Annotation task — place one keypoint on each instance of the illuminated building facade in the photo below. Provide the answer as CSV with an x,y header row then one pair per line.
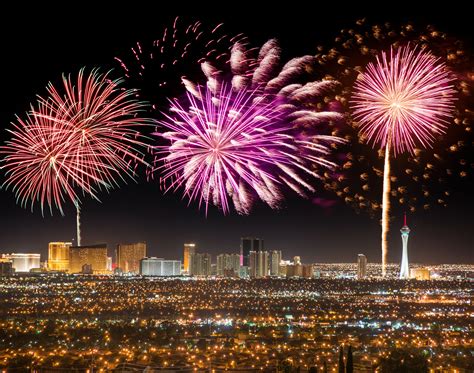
x,y
228,265
160,267
6,268
294,270
361,266
275,260
404,268
23,262
308,270
422,274
248,244
200,264
129,256
110,264
259,264
92,255
58,256
189,248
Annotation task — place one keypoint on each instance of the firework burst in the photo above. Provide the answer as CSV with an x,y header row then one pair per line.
x,y
421,178
404,99
156,66
74,143
240,136
399,101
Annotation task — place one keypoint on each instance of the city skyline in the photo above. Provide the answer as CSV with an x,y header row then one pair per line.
x,y
237,193
172,247
141,212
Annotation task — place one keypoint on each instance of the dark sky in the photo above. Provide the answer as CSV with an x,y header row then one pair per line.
x,y
47,47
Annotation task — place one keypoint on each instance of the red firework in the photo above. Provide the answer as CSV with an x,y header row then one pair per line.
x,y
75,142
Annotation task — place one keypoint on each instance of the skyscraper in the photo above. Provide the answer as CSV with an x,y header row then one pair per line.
x,y
58,256
200,264
259,264
308,270
253,264
228,265
404,268
189,248
275,259
6,268
248,244
129,256
263,263
91,255
294,270
361,266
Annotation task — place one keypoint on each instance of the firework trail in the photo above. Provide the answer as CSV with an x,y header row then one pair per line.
x,y
402,99
239,137
77,141
156,66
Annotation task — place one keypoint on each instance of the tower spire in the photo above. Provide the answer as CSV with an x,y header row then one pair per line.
x,y
405,231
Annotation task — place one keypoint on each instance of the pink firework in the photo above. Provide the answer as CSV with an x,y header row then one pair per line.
x,y
73,143
238,138
406,97
400,101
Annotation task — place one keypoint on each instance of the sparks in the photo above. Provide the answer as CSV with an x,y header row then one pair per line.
x,y
236,139
407,98
156,66
402,100
74,142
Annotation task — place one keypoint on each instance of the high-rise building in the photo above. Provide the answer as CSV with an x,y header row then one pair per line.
x,y
275,260
189,248
422,274
200,264
228,265
308,271
129,256
23,262
213,269
263,263
58,256
248,244
294,270
259,264
110,264
92,255
160,267
283,268
404,268
6,268
361,266
253,264
221,262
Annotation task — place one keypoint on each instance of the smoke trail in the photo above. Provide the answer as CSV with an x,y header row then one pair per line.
x,y
78,223
386,203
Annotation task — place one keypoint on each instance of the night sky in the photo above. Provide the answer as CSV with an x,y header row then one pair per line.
x,y
140,212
